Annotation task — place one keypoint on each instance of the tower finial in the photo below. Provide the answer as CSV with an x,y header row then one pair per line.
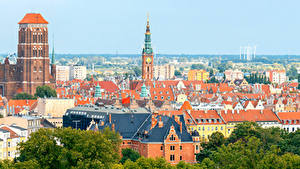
x,y
148,25
148,18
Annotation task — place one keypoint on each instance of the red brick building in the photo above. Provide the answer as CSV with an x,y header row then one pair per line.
x,y
33,64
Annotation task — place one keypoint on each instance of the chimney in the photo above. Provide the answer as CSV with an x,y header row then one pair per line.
x,y
153,121
109,118
160,123
113,127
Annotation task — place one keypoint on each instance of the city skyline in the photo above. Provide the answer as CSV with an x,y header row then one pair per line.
x,y
119,26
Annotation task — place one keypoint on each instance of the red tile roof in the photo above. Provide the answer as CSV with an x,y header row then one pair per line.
x,y
33,18
289,115
249,115
186,106
12,133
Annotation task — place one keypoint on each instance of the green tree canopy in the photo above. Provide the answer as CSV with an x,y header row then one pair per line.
x,y
45,91
197,66
67,148
24,96
129,153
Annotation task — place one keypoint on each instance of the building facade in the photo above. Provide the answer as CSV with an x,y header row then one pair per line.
x,y
233,75
62,73
33,64
198,75
164,72
276,76
77,72
150,134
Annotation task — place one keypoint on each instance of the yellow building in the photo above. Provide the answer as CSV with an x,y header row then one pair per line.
x,y
200,75
10,137
205,123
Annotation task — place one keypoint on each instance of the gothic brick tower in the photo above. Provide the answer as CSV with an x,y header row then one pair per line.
x,y
33,64
147,56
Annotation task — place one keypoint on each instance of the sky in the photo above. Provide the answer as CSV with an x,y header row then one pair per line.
x,y
177,26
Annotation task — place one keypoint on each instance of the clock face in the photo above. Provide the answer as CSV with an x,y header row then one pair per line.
x,y
148,60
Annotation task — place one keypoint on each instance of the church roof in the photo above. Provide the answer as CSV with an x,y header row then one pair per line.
x,y
33,18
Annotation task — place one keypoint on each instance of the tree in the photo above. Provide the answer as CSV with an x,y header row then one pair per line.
x,y
128,153
137,71
216,139
177,73
24,96
67,148
197,66
292,73
45,91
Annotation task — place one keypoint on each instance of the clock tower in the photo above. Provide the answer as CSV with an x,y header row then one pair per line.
x,y
147,56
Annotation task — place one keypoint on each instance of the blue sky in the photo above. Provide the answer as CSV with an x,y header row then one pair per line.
x,y
177,26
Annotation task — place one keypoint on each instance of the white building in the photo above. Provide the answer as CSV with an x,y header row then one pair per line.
x,y
77,72
62,73
290,120
164,72
233,75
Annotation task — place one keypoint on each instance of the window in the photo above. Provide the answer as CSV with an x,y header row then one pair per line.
x,y
9,154
8,144
162,97
172,157
197,147
203,128
180,157
207,128
228,131
161,147
155,97
221,128
172,138
172,147
180,147
216,128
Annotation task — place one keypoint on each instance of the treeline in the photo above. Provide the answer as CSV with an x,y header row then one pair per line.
x,y
257,78
249,146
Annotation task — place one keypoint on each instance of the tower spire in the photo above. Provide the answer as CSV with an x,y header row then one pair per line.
x,y
53,54
147,48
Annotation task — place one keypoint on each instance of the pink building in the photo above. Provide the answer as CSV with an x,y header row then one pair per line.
x,y
276,76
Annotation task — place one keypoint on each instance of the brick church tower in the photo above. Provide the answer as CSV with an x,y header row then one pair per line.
x,y
33,64
147,56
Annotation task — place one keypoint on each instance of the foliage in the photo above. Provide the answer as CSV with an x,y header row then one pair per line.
x,y
45,91
137,71
24,96
224,66
251,146
177,73
215,140
213,80
66,148
292,73
257,78
129,153
197,66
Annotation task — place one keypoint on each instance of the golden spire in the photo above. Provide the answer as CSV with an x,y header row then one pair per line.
x,y
147,18
148,25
